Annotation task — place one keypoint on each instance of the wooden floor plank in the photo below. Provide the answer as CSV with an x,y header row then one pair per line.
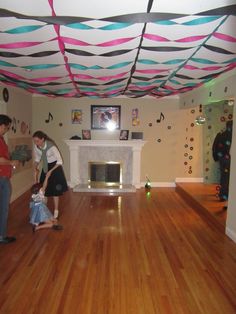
x,y
141,253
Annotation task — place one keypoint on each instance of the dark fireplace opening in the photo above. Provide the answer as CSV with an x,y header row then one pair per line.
x,y
105,173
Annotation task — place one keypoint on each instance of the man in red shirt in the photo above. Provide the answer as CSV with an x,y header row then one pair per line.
x,y
6,166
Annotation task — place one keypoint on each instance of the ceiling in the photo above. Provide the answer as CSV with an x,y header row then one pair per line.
x,y
107,48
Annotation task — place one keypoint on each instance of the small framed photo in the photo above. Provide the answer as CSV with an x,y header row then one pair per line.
x,y
124,134
86,134
76,116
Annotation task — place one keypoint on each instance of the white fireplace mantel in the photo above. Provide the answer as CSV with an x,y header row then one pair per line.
x,y
134,145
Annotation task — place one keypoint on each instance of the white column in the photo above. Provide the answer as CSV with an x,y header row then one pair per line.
x,y
74,165
136,166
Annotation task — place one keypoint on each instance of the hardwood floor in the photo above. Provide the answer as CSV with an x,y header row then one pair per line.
x,y
203,199
135,253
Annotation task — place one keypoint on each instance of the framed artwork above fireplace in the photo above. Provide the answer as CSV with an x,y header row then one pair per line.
x,y
105,117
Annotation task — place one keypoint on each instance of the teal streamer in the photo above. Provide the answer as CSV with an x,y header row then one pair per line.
x,y
79,26
63,91
40,66
146,61
88,89
83,67
119,65
166,22
147,83
230,61
110,27
114,87
175,82
7,64
204,61
202,20
174,61
115,26
24,29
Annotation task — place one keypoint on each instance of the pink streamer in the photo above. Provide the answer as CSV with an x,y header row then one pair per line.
x,y
75,42
115,42
191,39
155,37
225,37
20,45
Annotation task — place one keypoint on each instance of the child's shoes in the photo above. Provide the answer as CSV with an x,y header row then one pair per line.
x,y
57,227
56,213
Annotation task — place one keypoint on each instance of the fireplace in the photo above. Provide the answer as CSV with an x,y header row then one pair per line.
x,y
126,153
104,174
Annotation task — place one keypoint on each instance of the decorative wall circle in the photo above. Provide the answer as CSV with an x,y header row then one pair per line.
x,y
5,94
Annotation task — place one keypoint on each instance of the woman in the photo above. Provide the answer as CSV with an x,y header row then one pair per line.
x,y
45,150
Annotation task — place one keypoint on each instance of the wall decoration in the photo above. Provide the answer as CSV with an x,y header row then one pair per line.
x,y
50,117
23,127
86,134
5,94
162,117
21,149
76,116
124,134
135,117
13,125
102,117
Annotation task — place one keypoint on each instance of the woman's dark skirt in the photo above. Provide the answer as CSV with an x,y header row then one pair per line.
x,y
57,184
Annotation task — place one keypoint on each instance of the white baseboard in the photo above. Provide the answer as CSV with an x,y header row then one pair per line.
x,y
160,184
194,180
231,234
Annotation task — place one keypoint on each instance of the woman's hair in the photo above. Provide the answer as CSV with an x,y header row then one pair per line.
x,y
35,188
42,135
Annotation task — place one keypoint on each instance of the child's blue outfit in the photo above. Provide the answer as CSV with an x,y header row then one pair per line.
x,y
39,211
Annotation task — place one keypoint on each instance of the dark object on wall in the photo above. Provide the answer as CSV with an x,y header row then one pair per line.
x,y
75,137
5,94
221,153
136,135
21,153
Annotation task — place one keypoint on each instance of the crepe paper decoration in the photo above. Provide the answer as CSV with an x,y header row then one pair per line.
x,y
181,75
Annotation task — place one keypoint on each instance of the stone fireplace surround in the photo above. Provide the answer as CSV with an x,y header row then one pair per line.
x,y
84,151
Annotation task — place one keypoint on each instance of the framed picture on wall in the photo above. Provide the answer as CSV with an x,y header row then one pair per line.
x,y
124,135
86,134
76,116
105,117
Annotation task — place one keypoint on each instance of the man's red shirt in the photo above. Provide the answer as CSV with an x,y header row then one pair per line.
x,y
5,170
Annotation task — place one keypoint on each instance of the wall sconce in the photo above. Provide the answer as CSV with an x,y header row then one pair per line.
x,y
230,102
200,119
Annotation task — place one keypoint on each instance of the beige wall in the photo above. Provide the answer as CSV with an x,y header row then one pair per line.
x,y
19,106
162,161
